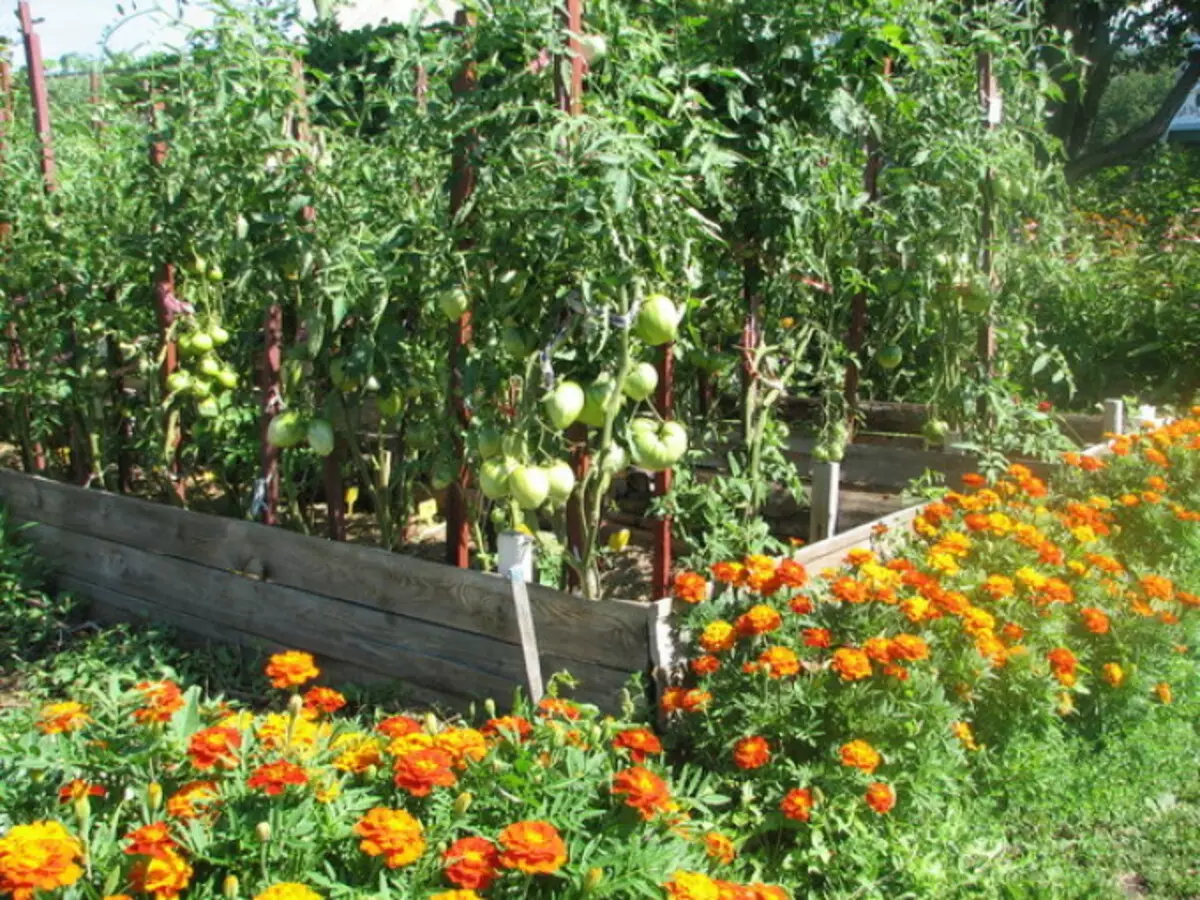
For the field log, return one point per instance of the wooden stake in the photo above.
(39, 94)
(458, 527)
(665, 401)
(990, 101)
(1114, 416)
(823, 501)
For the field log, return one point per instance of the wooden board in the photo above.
(469, 601)
(830, 553)
(450, 662)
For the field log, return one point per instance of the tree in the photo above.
(1102, 39)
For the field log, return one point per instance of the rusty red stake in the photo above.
(990, 101)
(269, 381)
(38, 93)
(462, 186)
(665, 401)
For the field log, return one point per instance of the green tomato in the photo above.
(445, 471)
(641, 382)
(287, 429)
(454, 303)
(391, 404)
(228, 379)
(494, 477)
(890, 357)
(208, 408)
(341, 378)
(214, 273)
(320, 437)
(200, 387)
(197, 267)
(562, 481)
(529, 486)
(201, 343)
(210, 366)
(178, 381)
(614, 460)
(977, 298)
(596, 400)
(489, 442)
(657, 446)
(657, 321)
(220, 337)
(564, 404)
(184, 345)
(936, 431)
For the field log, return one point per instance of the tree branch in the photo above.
(1146, 134)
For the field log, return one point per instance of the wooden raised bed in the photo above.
(450, 635)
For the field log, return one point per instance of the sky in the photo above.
(78, 26)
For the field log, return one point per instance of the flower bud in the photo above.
(295, 704)
(230, 888)
(431, 723)
(371, 773)
(463, 802)
(595, 875)
(83, 811)
(489, 706)
(154, 796)
(263, 830)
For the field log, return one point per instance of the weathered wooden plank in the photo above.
(465, 600)
(426, 655)
(832, 551)
(109, 607)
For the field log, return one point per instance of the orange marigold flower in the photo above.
(533, 847)
(1063, 663)
(797, 805)
(881, 797)
(393, 834)
(1112, 673)
(193, 801)
(780, 662)
(729, 572)
(643, 791)
(1162, 691)
(962, 731)
(1094, 620)
(1012, 632)
(216, 746)
(1157, 457)
(288, 890)
(472, 862)
(671, 699)
(165, 876)
(817, 637)
(851, 664)
(39, 857)
(398, 726)
(160, 701)
(704, 665)
(465, 745)
(759, 619)
(858, 754)
(421, 771)
(291, 669)
(719, 847)
(801, 605)
(718, 637)
(977, 621)
(323, 699)
(77, 789)
(640, 742)
(973, 480)
(275, 778)
(998, 587)
(692, 886)
(694, 700)
(455, 895)
(151, 840)
(849, 590)
(691, 587)
(878, 649)
(791, 573)
(751, 752)
(512, 727)
(551, 707)
(62, 718)
(1157, 588)
(909, 648)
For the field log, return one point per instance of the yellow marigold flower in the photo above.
(858, 754)
(1085, 534)
(466, 745)
(718, 637)
(1162, 690)
(962, 731)
(285, 733)
(851, 664)
(38, 857)
(410, 743)
(62, 718)
(356, 752)
(1031, 578)
(915, 608)
(1113, 674)
(288, 890)
(998, 587)
(692, 886)
(464, 894)
(942, 563)
(978, 621)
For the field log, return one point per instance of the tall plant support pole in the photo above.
(166, 305)
(858, 303)
(993, 113)
(665, 401)
(458, 528)
(568, 94)
(269, 382)
(34, 458)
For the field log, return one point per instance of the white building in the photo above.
(1185, 127)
